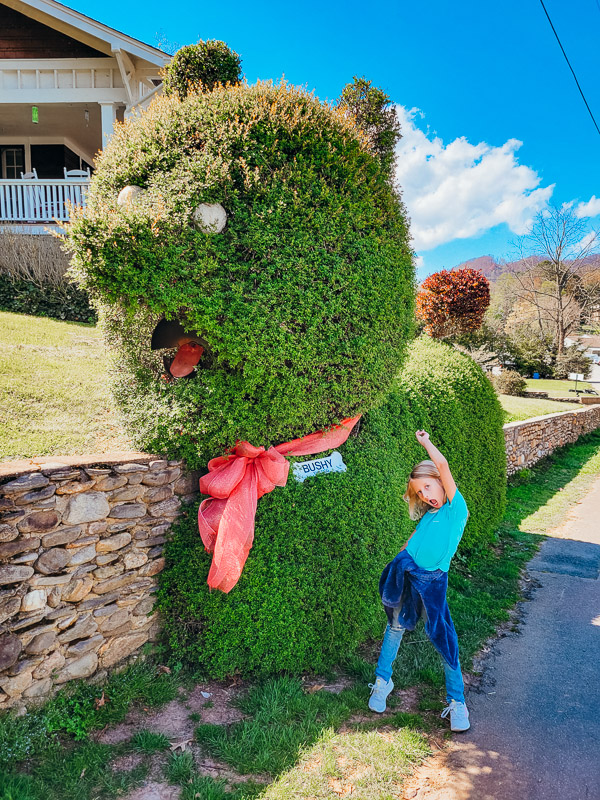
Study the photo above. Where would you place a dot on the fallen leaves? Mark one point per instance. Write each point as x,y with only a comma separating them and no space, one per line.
101,701
181,745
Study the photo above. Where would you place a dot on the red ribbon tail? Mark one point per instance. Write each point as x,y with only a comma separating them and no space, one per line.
235,534
209,517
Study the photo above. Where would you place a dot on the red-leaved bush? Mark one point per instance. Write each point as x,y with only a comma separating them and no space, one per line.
453,302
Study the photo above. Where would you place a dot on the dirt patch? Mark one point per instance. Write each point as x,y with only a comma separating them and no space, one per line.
215,703
408,700
154,790
173,719
220,771
223,698
127,762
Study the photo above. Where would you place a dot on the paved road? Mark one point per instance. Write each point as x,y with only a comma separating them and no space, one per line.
535,718
595,376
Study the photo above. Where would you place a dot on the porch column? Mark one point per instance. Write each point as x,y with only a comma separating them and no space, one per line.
108,115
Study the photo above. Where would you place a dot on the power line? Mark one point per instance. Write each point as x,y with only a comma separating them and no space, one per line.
570,67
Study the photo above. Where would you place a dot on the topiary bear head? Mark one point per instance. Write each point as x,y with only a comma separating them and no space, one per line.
261,251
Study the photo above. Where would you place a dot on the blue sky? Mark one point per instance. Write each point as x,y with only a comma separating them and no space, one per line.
494,124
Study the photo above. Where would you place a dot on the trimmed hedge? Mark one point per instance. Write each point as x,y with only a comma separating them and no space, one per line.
58,302
305,298
510,382
308,594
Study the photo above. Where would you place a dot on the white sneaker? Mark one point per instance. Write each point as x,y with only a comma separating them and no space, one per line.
459,716
379,692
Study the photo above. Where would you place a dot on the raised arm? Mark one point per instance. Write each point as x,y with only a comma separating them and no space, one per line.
441,463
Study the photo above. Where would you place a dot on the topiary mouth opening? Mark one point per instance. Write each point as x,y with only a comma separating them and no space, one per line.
192,349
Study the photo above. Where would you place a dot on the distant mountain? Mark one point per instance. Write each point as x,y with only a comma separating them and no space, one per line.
485,264
492,269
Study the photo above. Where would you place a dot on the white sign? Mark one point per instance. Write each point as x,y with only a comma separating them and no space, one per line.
575,376
320,466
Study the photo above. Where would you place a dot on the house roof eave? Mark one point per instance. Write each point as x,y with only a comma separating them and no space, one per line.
98,35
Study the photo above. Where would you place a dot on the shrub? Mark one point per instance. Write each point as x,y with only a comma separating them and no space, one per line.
304,300
33,279
375,115
66,302
37,258
572,359
510,382
453,302
200,67
308,595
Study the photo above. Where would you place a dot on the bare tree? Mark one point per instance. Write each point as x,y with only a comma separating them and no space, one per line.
558,273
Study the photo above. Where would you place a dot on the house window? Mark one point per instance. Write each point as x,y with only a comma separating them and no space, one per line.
12,161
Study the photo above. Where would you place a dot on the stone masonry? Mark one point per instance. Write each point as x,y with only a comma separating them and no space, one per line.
81,544
531,440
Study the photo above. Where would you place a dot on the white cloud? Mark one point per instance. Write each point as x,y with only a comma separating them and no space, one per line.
588,242
589,209
460,190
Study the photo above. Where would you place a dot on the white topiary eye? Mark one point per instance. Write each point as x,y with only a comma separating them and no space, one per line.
129,195
210,217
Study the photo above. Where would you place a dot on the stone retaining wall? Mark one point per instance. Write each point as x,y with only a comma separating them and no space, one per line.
532,439
81,542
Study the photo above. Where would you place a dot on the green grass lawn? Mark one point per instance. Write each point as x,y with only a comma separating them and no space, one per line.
519,408
54,397
556,388
300,742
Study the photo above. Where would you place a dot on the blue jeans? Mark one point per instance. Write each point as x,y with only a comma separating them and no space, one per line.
455,688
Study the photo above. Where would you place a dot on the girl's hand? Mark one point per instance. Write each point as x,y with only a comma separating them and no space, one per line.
422,438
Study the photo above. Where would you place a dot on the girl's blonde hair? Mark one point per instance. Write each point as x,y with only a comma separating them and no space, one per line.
416,506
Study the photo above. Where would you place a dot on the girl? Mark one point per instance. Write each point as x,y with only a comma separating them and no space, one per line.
418,578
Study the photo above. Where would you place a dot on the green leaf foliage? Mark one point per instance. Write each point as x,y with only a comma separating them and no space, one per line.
308,595
200,67
305,299
376,117
59,302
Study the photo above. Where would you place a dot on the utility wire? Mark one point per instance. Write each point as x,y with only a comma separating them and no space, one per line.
570,67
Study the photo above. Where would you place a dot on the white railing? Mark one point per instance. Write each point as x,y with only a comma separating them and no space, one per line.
40,200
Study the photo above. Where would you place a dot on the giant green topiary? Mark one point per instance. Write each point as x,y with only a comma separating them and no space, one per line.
304,300
304,305
308,594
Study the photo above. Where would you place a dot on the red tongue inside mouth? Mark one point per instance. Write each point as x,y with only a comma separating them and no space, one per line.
187,357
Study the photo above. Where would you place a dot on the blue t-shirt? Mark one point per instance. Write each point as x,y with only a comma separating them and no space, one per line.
438,533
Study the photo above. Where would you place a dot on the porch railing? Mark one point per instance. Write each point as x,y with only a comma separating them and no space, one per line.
40,200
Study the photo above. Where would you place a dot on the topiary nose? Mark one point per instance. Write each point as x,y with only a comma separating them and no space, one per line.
191,347
186,359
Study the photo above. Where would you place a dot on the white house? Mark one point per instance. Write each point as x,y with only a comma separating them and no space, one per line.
64,80
588,344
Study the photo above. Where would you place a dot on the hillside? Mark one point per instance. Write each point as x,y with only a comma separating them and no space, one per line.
492,269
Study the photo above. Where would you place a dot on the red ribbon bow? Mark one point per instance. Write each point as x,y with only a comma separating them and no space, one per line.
235,483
